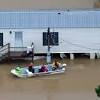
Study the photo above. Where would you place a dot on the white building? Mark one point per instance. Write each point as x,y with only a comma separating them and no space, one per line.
79,30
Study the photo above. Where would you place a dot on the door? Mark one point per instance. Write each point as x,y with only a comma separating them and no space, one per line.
18,39
1,39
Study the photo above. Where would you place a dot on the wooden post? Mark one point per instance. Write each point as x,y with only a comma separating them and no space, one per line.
32,55
8,52
32,45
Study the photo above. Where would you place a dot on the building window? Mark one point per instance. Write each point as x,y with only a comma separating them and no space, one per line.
1,39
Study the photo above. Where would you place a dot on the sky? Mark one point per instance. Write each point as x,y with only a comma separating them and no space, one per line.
46,4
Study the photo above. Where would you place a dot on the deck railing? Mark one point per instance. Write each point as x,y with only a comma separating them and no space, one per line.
10,52
5,51
18,49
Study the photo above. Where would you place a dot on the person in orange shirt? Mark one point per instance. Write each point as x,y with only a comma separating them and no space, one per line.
56,65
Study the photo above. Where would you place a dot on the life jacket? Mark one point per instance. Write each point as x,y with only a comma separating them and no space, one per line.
44,68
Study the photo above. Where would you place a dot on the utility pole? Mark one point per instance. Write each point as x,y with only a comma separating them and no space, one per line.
48,53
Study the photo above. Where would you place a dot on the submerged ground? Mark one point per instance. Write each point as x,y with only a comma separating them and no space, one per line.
81,77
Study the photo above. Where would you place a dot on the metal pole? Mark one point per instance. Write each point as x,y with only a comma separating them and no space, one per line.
48,53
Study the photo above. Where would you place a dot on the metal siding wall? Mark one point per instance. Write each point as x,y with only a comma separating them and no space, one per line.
4,20
44,19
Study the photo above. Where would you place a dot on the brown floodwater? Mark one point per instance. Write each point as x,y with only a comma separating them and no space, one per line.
77,83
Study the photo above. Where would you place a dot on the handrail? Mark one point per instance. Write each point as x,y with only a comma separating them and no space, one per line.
5,49
6,45
18,49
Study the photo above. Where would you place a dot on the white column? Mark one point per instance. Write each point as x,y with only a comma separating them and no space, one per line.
92,55
71,56
62,55
98,55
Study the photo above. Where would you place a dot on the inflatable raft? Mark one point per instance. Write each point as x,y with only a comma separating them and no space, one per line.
24,72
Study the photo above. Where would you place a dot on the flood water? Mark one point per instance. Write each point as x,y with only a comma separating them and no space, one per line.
77,83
